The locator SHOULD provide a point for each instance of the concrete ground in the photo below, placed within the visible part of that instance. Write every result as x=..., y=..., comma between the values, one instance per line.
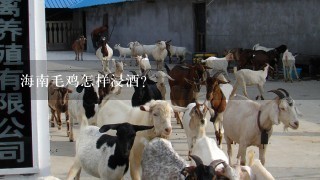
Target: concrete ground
x=292, y=154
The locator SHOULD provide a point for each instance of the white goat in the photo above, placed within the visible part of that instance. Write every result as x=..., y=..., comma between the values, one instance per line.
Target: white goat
x=258, y=47
x=159, y=54
x=179, y=52
x=136, y=49
x=144, y=63
x=208, y=151
x=247, y=77
x=248, y=123
x=101, y=155
x=123, y=52
x=160, y=78
x=155, y=112
x=219, y=64
x=255, y=169
x=193, y=120
x=288, y=62
x=105, y=59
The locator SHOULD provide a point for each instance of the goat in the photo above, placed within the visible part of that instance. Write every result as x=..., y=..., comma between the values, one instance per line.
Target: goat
x=156, y=112
x=118, y=76
x=159, y=54
x=78, y=47
x=218, y=91
x=186, y=85
x=161, y=161
x=86, y=100
x=96, y=35
x=144, y=91
x=160, y=76
x=288, y=62
x=247, y=77
x=243, y=57
x=179, y=52
x=104, y=54
x=206, y=150
x=58, y=98
x=219, y=64
x=144, y=63
x=194, y=119
x=249, y=123
x=123, y=52
x=136, y=49
x=101, y=155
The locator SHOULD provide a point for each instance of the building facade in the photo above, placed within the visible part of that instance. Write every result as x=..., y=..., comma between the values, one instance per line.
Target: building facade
x=211, y=26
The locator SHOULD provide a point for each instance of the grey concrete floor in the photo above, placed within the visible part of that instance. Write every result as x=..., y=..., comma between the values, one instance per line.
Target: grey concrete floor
x=293, y=154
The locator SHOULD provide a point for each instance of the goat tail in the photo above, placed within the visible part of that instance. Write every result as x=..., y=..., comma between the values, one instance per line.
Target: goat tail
x=167, y=68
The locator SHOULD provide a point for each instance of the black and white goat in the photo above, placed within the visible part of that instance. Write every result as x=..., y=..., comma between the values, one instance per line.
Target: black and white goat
x=101, y=155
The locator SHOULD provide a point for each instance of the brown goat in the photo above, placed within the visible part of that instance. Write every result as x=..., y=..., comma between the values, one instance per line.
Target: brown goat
x=187, y=83
x=218, y=103
x=58, y=103
x=78, y=47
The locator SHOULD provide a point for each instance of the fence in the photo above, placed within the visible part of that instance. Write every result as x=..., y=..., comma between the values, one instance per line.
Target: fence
x=61, y=34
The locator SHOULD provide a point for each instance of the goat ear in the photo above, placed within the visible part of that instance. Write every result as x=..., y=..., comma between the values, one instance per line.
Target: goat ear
x=141, y=128
x=79, y=89
x=145, y=108
x=107, y=127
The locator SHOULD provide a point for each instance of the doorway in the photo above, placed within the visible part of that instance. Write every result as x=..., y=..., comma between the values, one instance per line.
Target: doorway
x=199, y=10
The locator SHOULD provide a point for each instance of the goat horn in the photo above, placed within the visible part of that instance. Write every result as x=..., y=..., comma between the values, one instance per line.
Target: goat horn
x=215, y=163
x=283, y=90
x=279, y=93
x=196, y=159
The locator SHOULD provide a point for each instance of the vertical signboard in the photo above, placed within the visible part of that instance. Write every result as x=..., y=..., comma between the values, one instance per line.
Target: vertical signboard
x=15, y=98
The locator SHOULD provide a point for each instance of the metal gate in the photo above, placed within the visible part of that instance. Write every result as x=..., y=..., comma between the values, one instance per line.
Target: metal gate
x=61, y=34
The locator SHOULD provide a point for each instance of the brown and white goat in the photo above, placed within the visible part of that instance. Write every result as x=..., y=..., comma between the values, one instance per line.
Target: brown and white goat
x=193, y=120
x=58, y=102
x=217, y=97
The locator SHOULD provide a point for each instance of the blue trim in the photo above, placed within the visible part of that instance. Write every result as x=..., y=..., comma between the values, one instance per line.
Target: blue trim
x=88, y=3
x=61, y=3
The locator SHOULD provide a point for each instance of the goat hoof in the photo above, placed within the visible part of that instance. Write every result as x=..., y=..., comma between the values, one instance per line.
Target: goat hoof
x=257, y=97
x=52, y=125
